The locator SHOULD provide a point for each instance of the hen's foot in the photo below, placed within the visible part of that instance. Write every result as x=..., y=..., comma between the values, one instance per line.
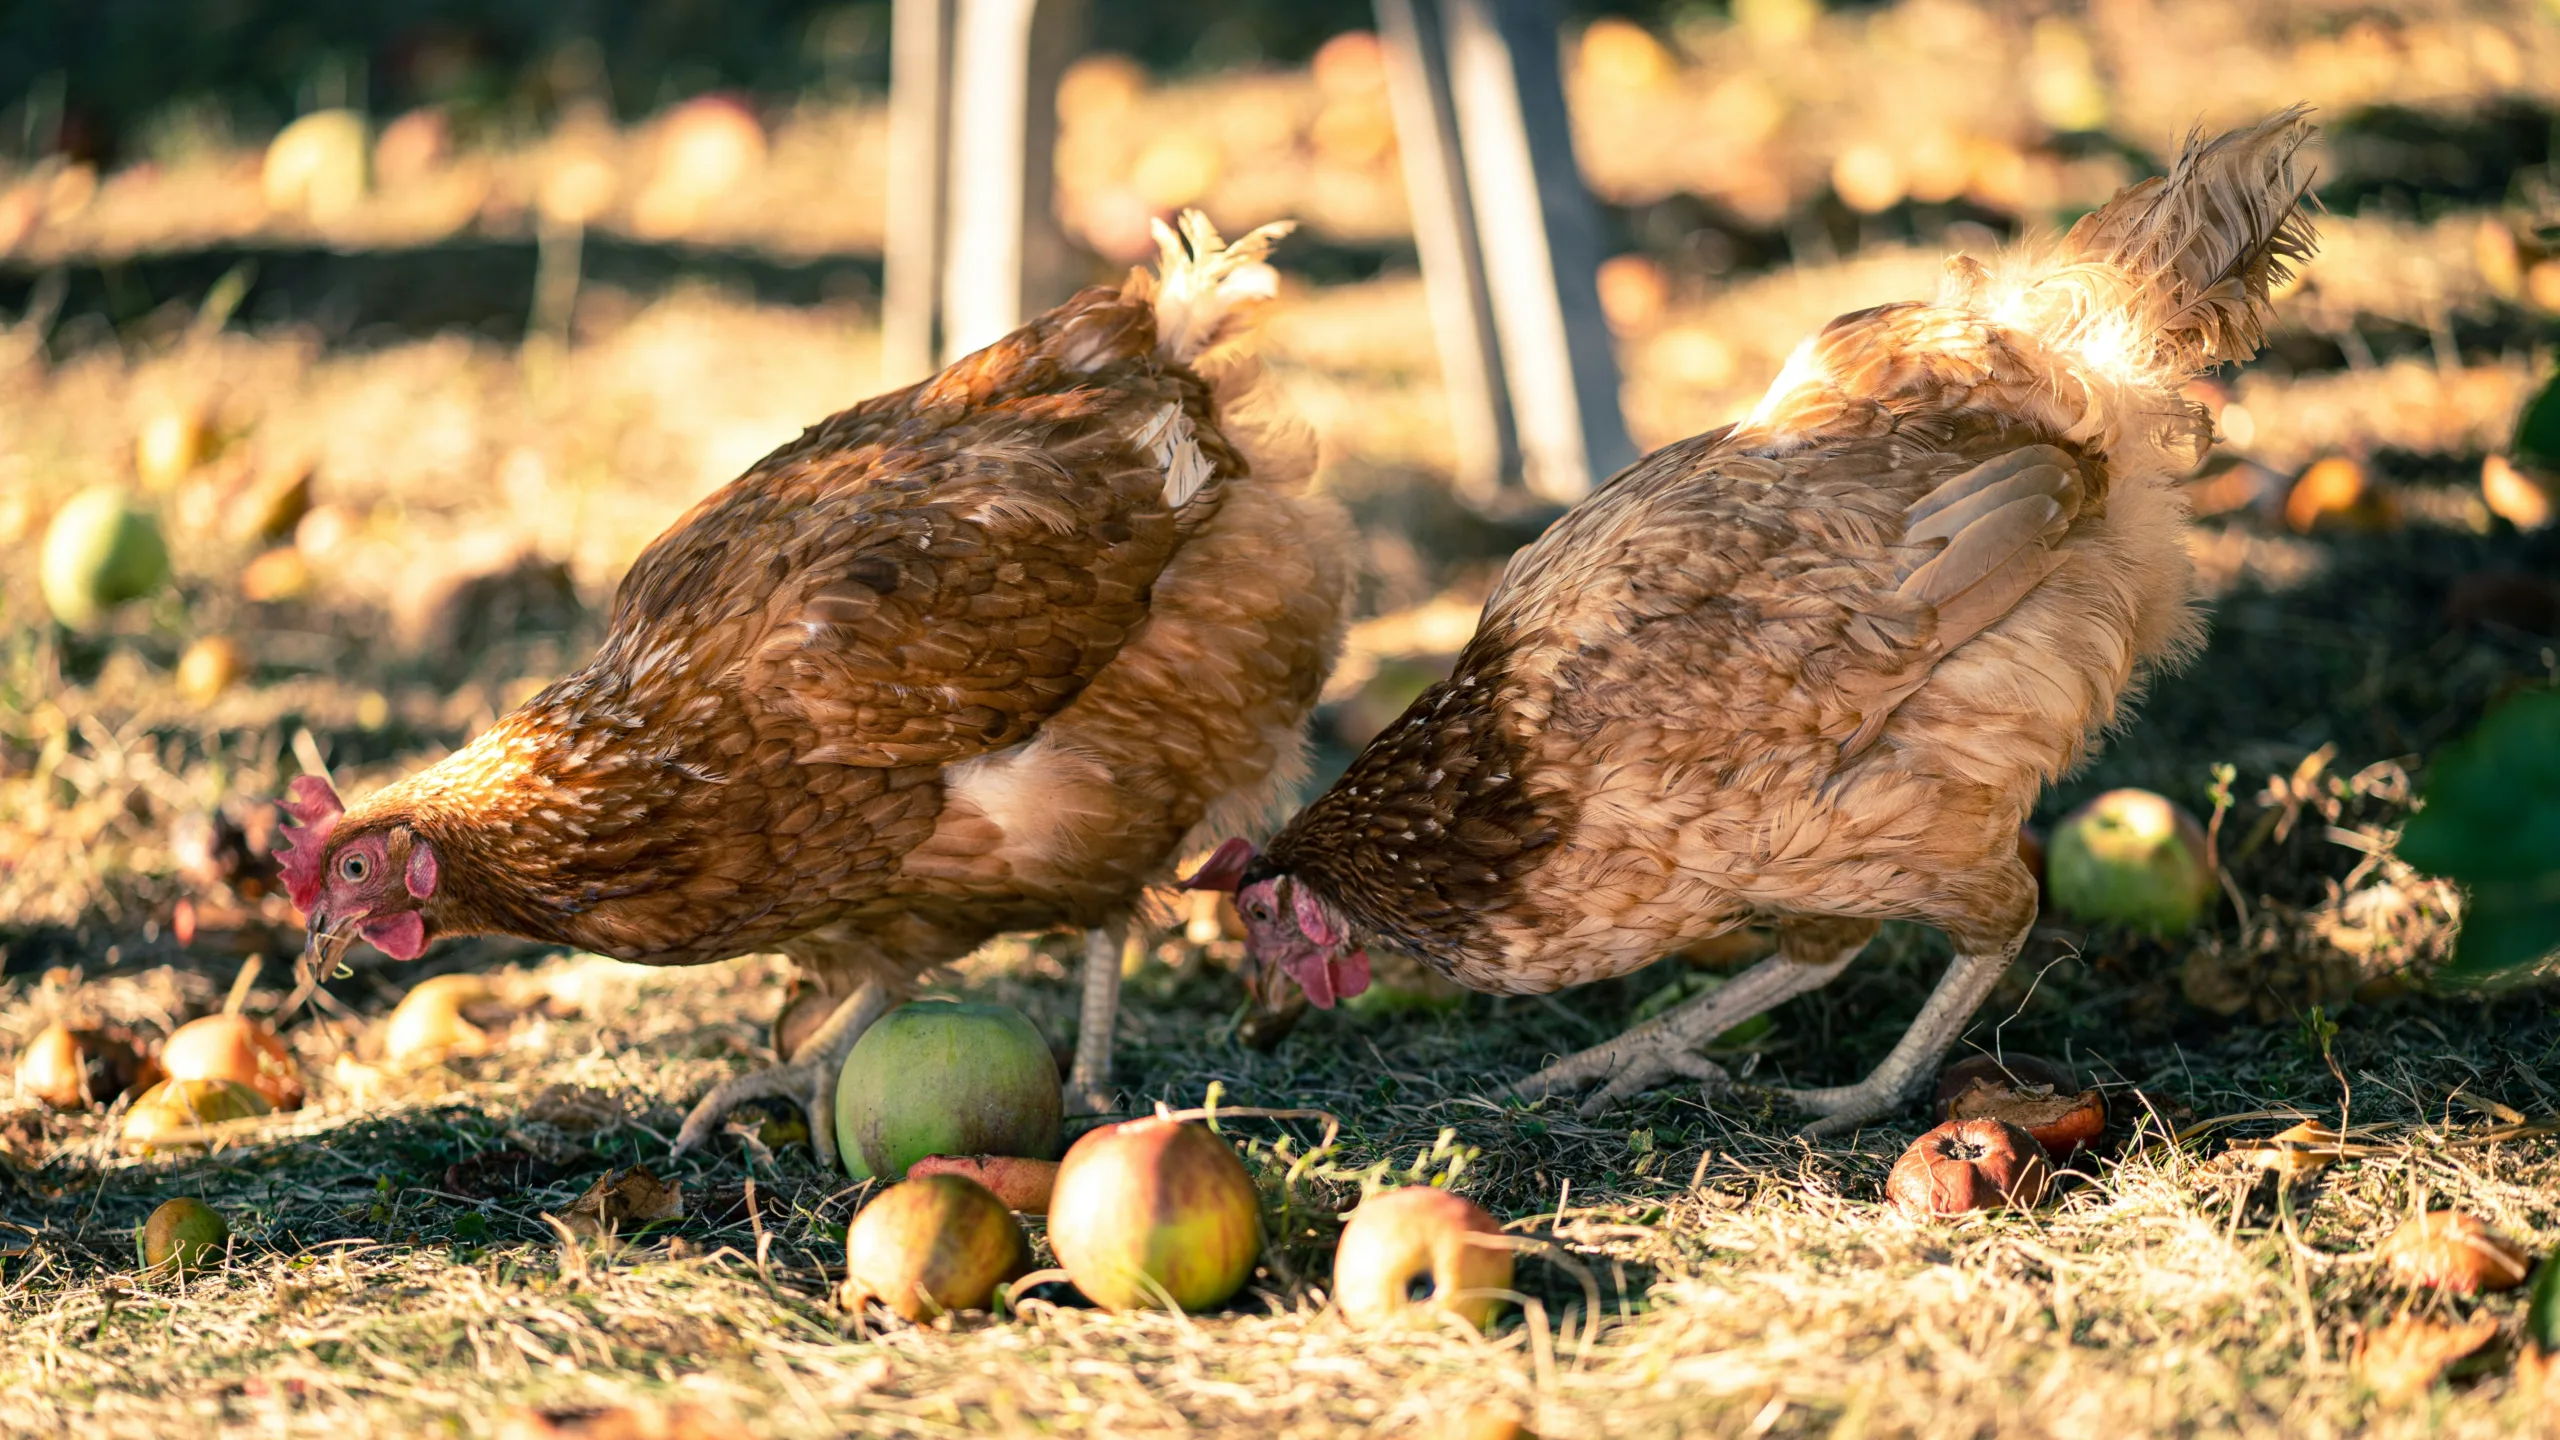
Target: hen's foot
x=1632, y=1063
x=1915, y=1056
x=1844, y=1108
x=1668, y=1046
x=808, y=1080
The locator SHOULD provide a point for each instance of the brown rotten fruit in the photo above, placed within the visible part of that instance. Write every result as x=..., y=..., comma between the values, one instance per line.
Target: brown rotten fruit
x=1021, y=1184
x=1969, y=1165
x=2035, y=1095
x=2017, y=1071
x=2450, y=1250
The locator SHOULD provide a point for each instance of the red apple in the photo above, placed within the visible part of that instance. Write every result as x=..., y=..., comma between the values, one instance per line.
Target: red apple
x=1155, y=1210
x=1403, y=1236
x=1970, y=1165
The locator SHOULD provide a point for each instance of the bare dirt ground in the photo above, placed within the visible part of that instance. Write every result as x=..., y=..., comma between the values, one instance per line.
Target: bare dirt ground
x=474, y=496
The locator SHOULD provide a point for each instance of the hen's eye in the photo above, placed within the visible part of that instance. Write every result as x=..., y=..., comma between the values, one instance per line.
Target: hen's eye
x=354, y=867
x=1258, y=910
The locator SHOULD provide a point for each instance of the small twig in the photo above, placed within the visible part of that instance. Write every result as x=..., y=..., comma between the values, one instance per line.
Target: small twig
x=1012, y=1294
x=764, y=1242
x=1214, y=1113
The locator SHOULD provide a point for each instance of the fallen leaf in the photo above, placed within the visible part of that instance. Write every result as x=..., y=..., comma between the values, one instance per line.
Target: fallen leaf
x=2402, y=1358
x=2298, y=1153
x=623, y=1200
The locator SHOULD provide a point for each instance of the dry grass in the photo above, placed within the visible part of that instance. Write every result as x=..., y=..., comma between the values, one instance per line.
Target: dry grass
x=1748, y=1282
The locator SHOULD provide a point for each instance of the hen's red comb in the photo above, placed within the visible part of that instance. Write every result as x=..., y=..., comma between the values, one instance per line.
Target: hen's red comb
x=314, y=808
x=1223, y=870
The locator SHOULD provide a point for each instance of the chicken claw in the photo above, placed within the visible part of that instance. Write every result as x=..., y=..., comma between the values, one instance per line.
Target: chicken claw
x=1960, y=991
x=807, y=1080
x=1668, y=1046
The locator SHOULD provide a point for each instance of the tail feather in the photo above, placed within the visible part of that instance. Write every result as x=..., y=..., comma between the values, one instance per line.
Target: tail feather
x=1206, y=291
x=2205, y=245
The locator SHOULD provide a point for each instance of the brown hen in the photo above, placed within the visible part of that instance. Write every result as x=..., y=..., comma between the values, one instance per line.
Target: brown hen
x=972, y=657
x=1813, y=668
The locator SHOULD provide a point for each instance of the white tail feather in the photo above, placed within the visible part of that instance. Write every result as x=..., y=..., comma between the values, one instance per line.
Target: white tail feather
x=1207, y=291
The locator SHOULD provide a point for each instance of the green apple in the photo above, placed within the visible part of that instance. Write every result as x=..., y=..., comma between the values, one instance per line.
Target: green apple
x=182, y=1234
x=171, y=1112
x=2132, y=858
x=99, y=552
x=941, y=1078
x=1155, y=1210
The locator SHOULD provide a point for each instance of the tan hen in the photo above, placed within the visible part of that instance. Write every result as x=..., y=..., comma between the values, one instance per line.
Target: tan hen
x=1815, y=667
x=972, y=657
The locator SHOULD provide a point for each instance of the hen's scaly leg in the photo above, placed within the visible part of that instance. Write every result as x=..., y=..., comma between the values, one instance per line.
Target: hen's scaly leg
x=1810, y=954
x=1106, y=952
x=1977, y=967
x=808, y=1079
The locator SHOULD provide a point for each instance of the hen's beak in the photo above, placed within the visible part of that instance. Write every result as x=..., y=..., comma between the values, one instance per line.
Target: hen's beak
x=1273, y=1003
x=324, y=949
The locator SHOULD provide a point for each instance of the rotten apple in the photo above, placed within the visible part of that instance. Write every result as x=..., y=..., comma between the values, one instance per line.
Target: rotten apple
x=1967, y=1165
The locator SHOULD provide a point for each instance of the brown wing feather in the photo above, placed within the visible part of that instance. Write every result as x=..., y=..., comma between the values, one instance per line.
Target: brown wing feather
x=1748, y=602
x=929, y=576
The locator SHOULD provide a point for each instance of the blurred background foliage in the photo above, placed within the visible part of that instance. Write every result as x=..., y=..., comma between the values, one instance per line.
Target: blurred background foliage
x=116, y=65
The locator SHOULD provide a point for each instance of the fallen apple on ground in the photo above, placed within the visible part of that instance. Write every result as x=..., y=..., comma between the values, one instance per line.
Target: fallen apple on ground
x=428, y=1024
x=941, y=1078
x=2451, y=1250
x=165, y=1113
x=235, y=1048
x=2132, y=858
x=1967, y=1165
x=1023, y=1185
x=1399, y=1238
x=183, y=1234
x=1155, y=1211
x=2036, y=1095
x=100, y=551
x=932, y=1244
x=72, y=1069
